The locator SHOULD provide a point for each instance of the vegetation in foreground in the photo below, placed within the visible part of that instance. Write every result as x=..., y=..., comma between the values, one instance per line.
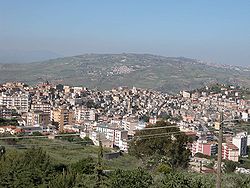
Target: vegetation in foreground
x=67, y=164
x=35, y=168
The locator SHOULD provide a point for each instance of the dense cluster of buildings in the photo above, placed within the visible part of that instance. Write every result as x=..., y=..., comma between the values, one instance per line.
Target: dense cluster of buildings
x=202, y=113
x=113, y=116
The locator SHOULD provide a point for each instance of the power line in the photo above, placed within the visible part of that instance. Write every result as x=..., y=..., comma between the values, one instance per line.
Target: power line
x=99, y=167
x=243, y=124
x=218, y=179
x=16, y=137
x=45, y=145
x=231, y=120
x=157, y=135
x=155, y=128
x=31, y=137
x=58, y=143
x=222, y=122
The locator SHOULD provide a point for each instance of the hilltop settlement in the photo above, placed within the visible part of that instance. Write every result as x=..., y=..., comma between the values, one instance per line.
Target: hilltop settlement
x=114, y=116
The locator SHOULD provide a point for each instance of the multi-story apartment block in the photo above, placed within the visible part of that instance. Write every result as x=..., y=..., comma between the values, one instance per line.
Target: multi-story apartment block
x=240, y=140
x=204, y=147
x=19, y=102
x=230, y=152
x=118, y=136
x=45, y=107
x=129, y=124
x=36, y=118
x=82, y=114
x=63, y=117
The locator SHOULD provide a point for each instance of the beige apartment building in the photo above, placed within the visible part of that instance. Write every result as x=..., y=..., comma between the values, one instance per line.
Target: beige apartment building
x=63, y=117
x=36, y=117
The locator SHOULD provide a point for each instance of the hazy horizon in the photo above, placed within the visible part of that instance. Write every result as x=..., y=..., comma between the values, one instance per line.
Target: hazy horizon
x=216, y=32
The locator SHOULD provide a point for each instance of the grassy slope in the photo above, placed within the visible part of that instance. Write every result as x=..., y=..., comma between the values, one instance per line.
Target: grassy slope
x=66, y=152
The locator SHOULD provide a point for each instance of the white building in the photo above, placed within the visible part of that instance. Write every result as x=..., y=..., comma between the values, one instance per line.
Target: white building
x=16, y=101
x=185, y=94
x=244, y=116
x=141, y=125
x=83, y=114
x=240, y=140
x=118, y=136
x=45, y=107
x=129, y=124
x=248, y=140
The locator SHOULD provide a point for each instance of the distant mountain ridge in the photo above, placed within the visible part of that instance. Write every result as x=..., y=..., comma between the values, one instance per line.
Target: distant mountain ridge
x=105, y=71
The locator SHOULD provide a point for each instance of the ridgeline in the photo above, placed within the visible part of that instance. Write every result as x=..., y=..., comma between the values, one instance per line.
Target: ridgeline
x=105, y=71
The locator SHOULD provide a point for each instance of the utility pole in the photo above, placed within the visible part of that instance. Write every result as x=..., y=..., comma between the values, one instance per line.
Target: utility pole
x=99, y=169
x=218, y=180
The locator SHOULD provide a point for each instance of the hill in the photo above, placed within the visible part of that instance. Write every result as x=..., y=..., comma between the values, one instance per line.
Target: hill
x=105, y=71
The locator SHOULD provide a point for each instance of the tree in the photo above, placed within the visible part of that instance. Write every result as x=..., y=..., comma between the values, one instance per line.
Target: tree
x=169, y=146
x=229, y=166
x=144, y=118
x=64, y=180
x=137, y=178
x=179, y=155
x=29, y=169
x=176, y=180
x=164, y=168
x=186, y=180
x=84, y=166
x=142, y=146
x=236, y=180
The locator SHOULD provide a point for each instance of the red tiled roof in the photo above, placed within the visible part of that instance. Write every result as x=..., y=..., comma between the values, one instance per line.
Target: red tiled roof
x=190, y=133
x=9, y=126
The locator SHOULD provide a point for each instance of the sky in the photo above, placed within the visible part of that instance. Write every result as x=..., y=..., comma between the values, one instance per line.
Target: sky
x=216, y=31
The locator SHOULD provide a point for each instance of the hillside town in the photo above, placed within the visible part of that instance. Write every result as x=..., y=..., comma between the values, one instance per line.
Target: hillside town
x=114, y=116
